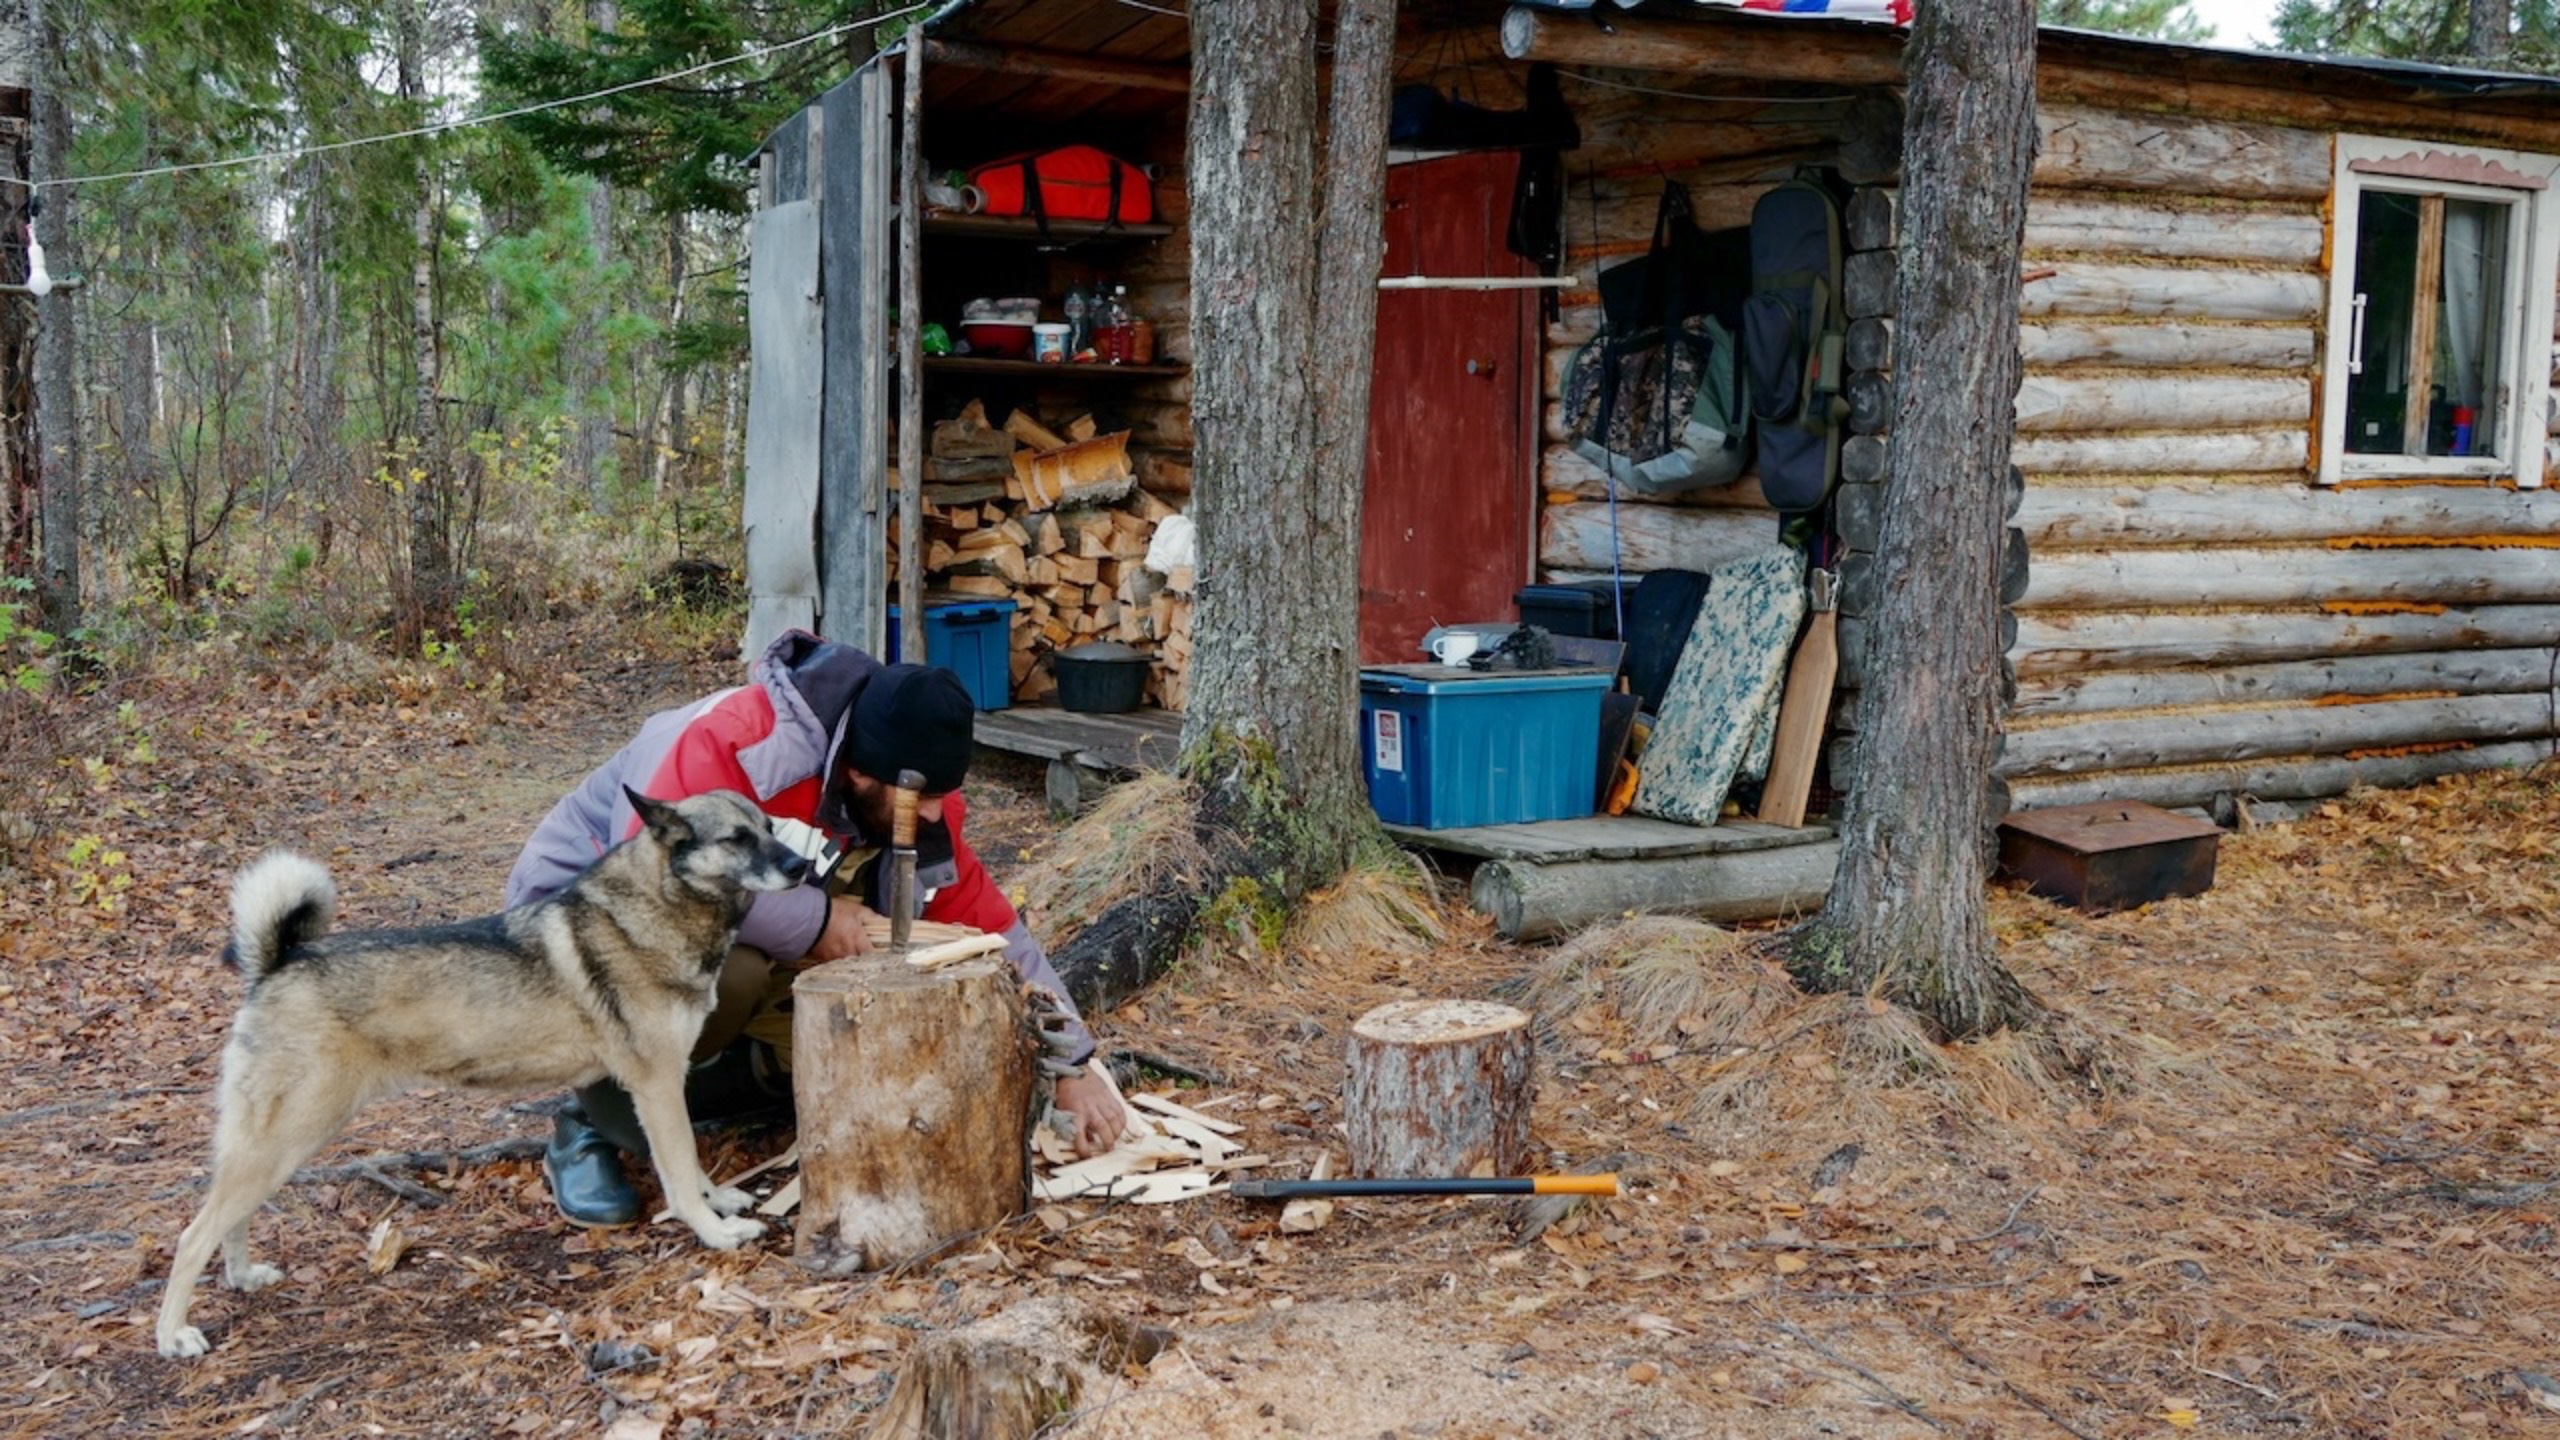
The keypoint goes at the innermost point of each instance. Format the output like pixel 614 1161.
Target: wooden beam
pixel 2458 672
pixel 911 642
pixel 2164 345
pixel 2162 402
pixel 2446 575
pixel 2288 779
pixel 1730 50
pixel 1062 66
pixel 2426 297
pixel 2197 452
pixel 2145 741
pixel 2058 516
pixel 2177 292
pixel 2059 643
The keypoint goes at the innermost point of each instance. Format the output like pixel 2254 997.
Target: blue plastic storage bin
pixel 974 640
pixel 1489 748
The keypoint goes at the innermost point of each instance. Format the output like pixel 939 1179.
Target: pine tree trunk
pixel 1283 324
pixel 592 436
pixel 57 343
pixel 18 446
pixel 1906 913
pixel 2490 34
pixel 671 439
pixel 430 555
pixel 1279 404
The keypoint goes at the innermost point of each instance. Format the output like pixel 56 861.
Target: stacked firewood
pixel 1055 521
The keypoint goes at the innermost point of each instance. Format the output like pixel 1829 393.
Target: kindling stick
pixel 1514 1185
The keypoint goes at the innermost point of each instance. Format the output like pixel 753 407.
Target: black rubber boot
pixel 584 1167
pixel 743 1081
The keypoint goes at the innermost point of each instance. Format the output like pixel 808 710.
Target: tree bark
pixel 1283 316
pixel 1906 914
pixel 671 434
pixel 592 439
pixel 2490 33
pixel 1280 401
pixel 430 541
pixel 57 343
pixel 19 449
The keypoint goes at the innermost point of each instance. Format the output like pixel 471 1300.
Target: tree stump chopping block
pixel 913 1090
pixel 1438 1088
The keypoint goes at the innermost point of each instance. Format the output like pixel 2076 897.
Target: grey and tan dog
pixel 612 975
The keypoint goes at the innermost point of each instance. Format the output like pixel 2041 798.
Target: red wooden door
pixel 1453 414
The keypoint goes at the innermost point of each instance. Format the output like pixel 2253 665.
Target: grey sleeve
pixel 1032 963
pixel 785 924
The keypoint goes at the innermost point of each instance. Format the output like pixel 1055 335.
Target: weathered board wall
pixel 2193 619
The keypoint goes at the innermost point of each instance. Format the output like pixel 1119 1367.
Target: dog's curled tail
pixel 280 901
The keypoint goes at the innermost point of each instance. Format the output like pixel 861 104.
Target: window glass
pixel 2430 324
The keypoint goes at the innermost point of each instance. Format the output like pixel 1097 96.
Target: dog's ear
pixel 663 819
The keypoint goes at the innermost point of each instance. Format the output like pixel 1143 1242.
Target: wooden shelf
pixel 1023 227
pixel 1034 370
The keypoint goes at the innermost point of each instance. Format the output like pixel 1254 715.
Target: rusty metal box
pixel 2110 854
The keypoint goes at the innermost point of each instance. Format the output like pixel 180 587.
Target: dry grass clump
pixel 1388 905
pixel 1138 838
pixel 1665 978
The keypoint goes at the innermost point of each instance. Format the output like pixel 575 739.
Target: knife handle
pixel 902 814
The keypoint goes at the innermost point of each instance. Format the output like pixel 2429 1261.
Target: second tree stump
pixel 1438 1089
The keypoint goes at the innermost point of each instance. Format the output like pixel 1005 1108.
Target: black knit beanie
pixel 912 717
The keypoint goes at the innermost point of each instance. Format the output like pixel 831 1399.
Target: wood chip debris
pixel 1168 1152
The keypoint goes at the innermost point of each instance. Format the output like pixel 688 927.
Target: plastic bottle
pixel 1117 320
pixel 1079 311
pixel 2461 430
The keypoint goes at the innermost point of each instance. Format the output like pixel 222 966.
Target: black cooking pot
pixel 1103 677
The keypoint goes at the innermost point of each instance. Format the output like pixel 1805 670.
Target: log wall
pixel 2195 621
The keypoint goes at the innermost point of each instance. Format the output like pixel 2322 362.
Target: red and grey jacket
pixel 772 739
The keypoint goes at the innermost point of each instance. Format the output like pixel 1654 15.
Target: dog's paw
pixel 729 1199
pixel 186 1342
pixel 724 1233
pixel 251 1277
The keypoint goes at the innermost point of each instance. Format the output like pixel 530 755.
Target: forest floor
pixel 2313 1193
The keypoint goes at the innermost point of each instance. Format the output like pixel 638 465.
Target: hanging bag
pixel 1794 332
pixel 1658 402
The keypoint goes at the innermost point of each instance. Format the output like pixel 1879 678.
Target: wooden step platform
pixel 1085 752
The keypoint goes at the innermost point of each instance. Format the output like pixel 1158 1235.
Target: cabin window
pixel 2440 313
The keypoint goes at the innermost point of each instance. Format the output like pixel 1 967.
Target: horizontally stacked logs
pixel 1060 523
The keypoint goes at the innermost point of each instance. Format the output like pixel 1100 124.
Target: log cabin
pixel 2280 523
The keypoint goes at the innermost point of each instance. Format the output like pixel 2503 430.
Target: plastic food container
pixel 1049 343
pixel 1001 339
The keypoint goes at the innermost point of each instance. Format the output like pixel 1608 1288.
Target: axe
pixel 902 859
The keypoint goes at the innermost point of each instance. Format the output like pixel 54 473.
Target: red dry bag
pixel 1076 182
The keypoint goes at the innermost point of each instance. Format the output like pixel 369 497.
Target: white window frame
pixel 2531 289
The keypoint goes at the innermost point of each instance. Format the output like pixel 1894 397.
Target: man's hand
pixel 844 933
pixel 1096 1107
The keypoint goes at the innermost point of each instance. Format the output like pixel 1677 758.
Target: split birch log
pixel 1011 1375
pixel 2059 642
pixel 1438 1088
pixel 914 1095
pixel 1084 472
pixel 1532 902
